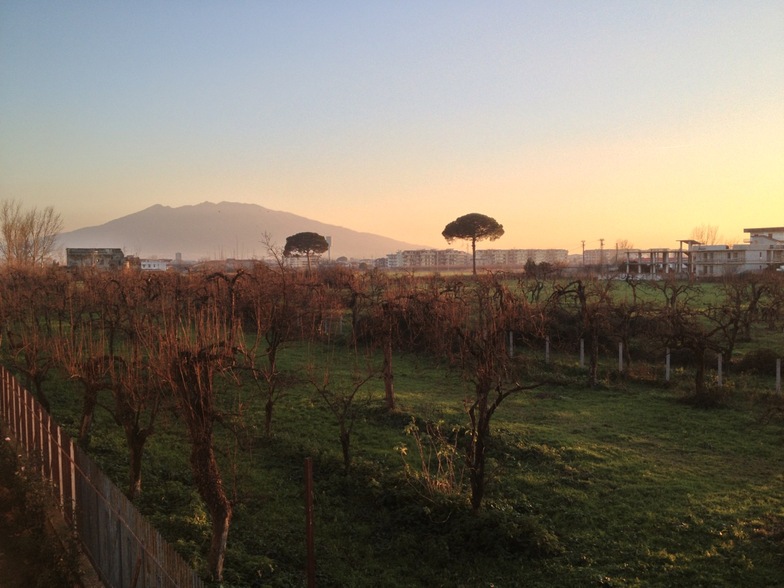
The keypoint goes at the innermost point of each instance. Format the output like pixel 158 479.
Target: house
pixel 155 265
pixel 101 257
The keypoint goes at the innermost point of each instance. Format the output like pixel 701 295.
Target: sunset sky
pixel 564 120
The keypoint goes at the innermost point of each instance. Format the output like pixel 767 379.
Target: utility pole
pixel 601 255
pixel 583 242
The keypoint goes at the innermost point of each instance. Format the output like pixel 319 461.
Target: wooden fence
pixel 124 549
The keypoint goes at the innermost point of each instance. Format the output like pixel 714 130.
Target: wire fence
pixel 125 550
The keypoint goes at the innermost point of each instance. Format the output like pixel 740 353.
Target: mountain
pixel 219 231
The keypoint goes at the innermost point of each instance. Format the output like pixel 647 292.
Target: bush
pixel 501 530
pixel 758 361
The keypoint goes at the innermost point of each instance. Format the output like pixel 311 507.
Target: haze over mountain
pixel 218 231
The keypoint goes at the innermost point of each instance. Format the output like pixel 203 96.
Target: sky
pixel 568 121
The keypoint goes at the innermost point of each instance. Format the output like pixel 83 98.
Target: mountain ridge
pixel 221 230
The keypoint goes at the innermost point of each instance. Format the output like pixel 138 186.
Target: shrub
pixel 758 361
pixel 500 530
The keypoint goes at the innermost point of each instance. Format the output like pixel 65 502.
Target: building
pixel 653 262
pixel 102 258
pixel 764 249
pixel 452 258
pixel 429 258
pixel 155 265
pixel 519 257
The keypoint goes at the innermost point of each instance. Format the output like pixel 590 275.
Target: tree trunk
pixel 210 486
pixel 39 394
pixel 627 355
pixel 593 370
pixel 268 408
pixel 700 391
pixel 221 520
pixel 480 421
pixel 477 470
pixel 88 409
pixel 345 444
pixel 136 441
pixel 272 380
pixel 389 386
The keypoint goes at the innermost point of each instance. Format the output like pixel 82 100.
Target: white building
pixel 763 249
pixel 155 265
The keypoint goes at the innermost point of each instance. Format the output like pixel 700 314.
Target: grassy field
pixel 620 485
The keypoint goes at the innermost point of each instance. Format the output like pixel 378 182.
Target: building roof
pixel 765 230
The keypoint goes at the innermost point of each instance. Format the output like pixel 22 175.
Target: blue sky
pixel 564 120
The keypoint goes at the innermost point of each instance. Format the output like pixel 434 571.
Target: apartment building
pixel 428 258
pixel 438 258
pixel 519 257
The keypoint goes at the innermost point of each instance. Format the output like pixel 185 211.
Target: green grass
pixel 623 485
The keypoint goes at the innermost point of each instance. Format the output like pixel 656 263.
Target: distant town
pixel 762 249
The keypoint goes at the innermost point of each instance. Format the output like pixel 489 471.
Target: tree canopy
pixel 27 236
pixel 307 244
pixel 473 227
